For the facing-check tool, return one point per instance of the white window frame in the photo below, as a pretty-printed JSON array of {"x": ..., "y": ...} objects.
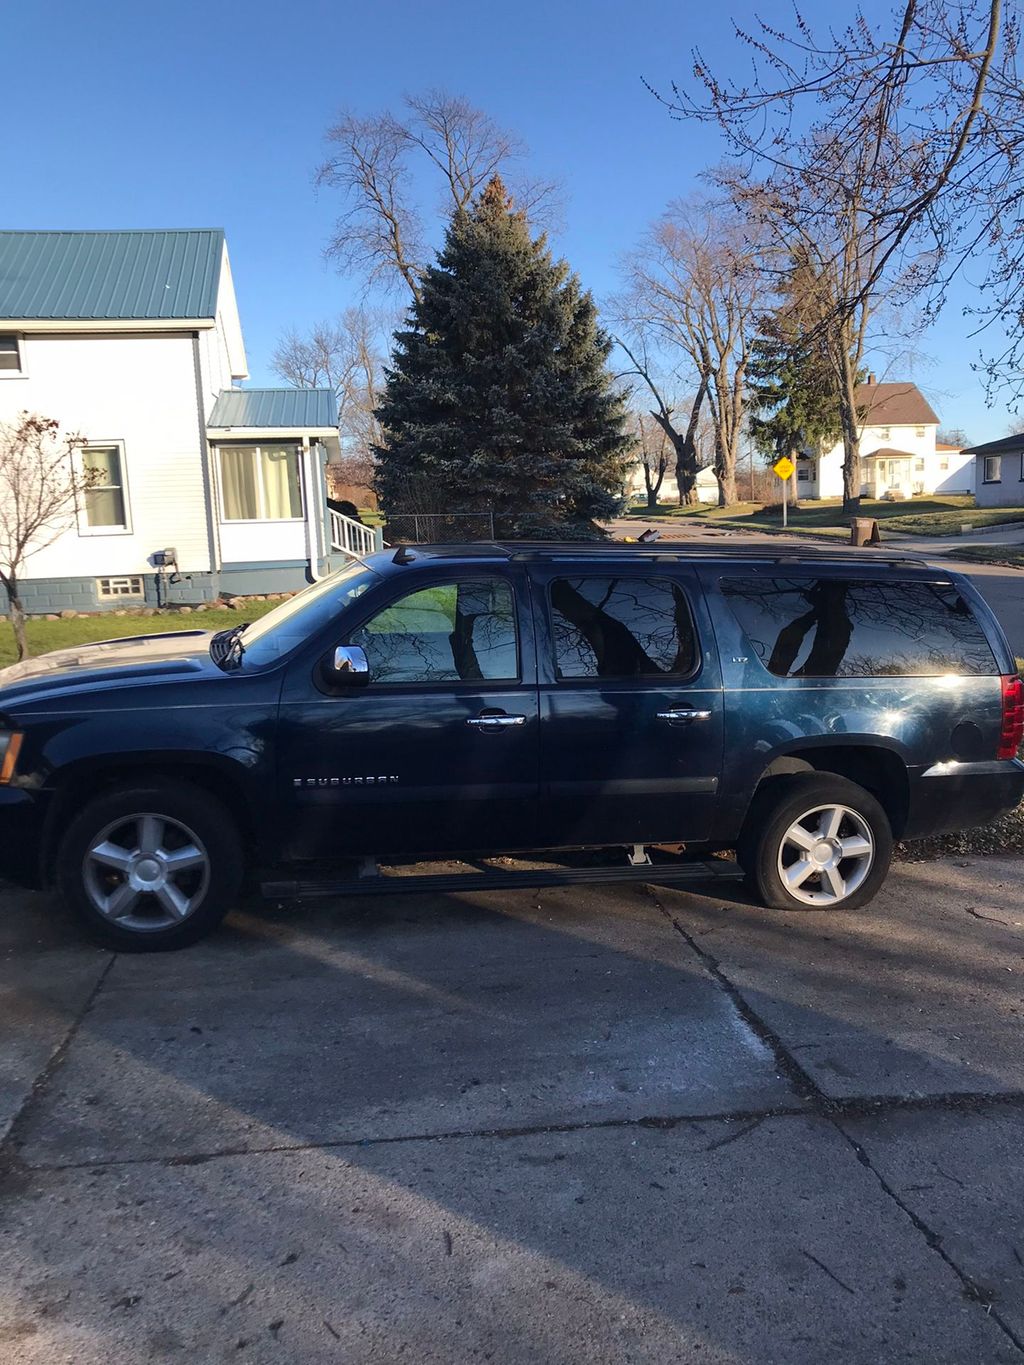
[
  {"x": 81, "y": 462},
  {"x": 22, "y": 371},
  {"x": 260, "y": 521},
  {"x": 113, "y": 596},
  {"x": 984, "y": 469}
]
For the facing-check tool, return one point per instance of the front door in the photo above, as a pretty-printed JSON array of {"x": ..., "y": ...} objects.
[
  {"x": 439, "y": 751},
  {"x": 631, "y": 707}
]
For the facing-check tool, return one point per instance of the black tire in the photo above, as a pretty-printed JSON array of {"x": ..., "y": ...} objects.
[
  {"x": 208, "y": 889},
  {"x": 774, "y": 813}
]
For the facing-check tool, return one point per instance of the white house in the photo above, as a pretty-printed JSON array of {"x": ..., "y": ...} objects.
[
  {"x": 133, "y": 341},
  {"x": 999, "y": 472},
  {"x": 707, "y": 486},
  {"x": 900, "y": 456}
]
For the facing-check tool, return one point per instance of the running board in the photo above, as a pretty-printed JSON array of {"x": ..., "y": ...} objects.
[{"x": 716, "y": 869}]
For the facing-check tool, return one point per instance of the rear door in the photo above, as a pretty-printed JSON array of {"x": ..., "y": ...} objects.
[
  {"x": 439, "y": 751},
  {"x": 631, "y": 708}
]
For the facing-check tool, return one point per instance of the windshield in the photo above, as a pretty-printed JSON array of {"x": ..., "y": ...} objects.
[{"x": 278, "y": 633}]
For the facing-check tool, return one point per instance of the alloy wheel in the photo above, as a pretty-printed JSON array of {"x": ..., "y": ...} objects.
[
  {"x": 146, "y": 872},
  {"x": 826, "y": 854}
]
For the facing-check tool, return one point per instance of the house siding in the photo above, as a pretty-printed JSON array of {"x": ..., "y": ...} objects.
[
  {"x": 139, "y": 390},
  {"x": 1009, "y": 491},
  {"x": 958, "y": 478}
]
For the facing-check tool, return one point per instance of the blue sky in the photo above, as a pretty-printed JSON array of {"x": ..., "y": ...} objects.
[{"x": 186, "y": 114}]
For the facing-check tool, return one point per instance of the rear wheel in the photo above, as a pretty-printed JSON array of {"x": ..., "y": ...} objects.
[
  {"x": 150, "y": 868},
  {"x": 816, "y": 842}
]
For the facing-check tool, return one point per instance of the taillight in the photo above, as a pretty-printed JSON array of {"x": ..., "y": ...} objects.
[{"x": 1012, "y": 731}]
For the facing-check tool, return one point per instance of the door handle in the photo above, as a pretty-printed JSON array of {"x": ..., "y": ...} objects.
[
  {"x": 499, "y": 721},
  {"x": 683, "y": 716}
]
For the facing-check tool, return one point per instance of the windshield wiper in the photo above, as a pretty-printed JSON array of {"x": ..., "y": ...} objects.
[{"x": 226, "y": 648}]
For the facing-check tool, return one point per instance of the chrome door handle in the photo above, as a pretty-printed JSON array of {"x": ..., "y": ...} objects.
[
  {"x": 496, "y": 722},
  {"x": 683, "y": 716}
]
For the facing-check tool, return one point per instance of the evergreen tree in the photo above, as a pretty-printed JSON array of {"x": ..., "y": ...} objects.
[
  {"x": 499, "y": 397},
  {"x": 793, "y": 395}
]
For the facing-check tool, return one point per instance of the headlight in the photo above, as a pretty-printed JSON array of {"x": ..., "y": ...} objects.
[{"x": 10, "y": 746}]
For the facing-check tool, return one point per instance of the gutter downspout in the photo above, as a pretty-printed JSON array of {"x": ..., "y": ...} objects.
[
  {"x": 204, "y": 451},
  {"x": 312, "y": 519}
]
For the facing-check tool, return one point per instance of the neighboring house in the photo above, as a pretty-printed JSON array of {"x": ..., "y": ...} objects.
[
  {"x": 707, "y": 486},
  {"x": 999, "y": 472},
  {"x": 900, "y": 457},
  {"x": 133, "y": 340}
]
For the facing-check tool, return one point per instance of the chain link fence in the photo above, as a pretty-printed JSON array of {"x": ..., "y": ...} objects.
[{"x": 439, "y": 528}]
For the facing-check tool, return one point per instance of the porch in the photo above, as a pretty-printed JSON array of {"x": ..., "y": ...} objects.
[
  {"x": 271, "y": 523},
  {"x": 890, "y": 474}
]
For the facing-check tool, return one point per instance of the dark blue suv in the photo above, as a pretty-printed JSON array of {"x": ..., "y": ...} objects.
[{"x": 802, "y": 708}]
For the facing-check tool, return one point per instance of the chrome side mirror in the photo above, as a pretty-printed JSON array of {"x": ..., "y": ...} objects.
[{"x": 349, "y": 666}]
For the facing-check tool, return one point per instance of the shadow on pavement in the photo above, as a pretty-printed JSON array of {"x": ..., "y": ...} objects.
[{"x": 525, "y": 1127}]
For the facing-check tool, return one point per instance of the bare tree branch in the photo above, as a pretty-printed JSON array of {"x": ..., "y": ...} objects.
[
  {"x": 39, "y": 489},
  {"x": 382, "y": 232}
]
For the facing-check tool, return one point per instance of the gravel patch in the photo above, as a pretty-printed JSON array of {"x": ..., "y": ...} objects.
[{"x": 1005, "y": 835}]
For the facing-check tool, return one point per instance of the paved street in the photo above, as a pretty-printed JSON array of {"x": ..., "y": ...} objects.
[{"x": 600, "y": 1125}]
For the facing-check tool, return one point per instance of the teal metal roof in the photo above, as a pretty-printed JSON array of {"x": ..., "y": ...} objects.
[
  {"x": 114, "y": 276},
  {"x": 274, "y": 409}
]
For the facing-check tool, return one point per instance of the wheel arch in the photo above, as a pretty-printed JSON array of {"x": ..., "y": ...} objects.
[
  {"x": 878, "y": 768},
  {"x": 79, "y": 782}
]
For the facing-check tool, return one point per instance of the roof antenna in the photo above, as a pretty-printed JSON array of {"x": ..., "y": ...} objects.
[
  {"x": 403, "y": 555},
  {"x": 649, "y": 536}
]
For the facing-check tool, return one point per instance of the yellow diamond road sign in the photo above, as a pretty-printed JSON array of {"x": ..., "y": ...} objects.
[{"x": 784, "y": 467}]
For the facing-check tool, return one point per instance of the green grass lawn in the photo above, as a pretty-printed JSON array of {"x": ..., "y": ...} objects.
[
  {"x": 932, "y": 516},
  {"x": 1009, "y": 555},
  {"x": 44, "y": 636}
]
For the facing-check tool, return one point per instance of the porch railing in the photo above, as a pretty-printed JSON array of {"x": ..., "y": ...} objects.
[{"x": 351, "y": 537}]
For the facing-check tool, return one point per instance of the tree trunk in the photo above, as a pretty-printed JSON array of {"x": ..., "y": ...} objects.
[
  {"x": 685, "y": 446},
  {"x": 725, "y": 468},
  {"x": 848, "y": 418},
  {"x": 726, "y": 485},
  {"x": 17, "y": 617},
  {"x": 653, "y": 486}
]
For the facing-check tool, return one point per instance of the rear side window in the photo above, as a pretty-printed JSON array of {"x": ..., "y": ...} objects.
[
  {"x": 835, "y": 628},
  {"x": 621, "y": 628}
]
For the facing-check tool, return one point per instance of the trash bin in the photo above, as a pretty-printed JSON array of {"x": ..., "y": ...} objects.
[{"x": 864, "y": 531}]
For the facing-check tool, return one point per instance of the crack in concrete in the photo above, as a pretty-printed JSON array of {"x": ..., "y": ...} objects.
[
  {"x": 7, "y": 1146},
  {"x": 834, "y": 1112},
  {"x": 860, "y": 1107},
  {"x": 813, "y": 1103}
]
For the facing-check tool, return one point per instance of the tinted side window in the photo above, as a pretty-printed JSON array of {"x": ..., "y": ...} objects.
[
  {"x": 835, "y": 628},
  {"x": 454, "y": 632},
  {"x": 621, "y": 628}
]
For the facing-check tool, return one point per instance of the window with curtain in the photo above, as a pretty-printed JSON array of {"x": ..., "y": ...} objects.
[
  {"x": 260, "y": 483},
  {"x": 103, "y": 495}
]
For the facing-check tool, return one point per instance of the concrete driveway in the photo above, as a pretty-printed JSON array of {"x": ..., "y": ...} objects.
[{"x": 594, "y": 1125}]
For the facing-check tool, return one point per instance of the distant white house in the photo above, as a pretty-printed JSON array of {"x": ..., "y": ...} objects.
[
  {"x": 707, "y": 486},
  {"x": 133, "y": 340},
  {"x": 999, "y": 472},
  {"x": 900, "y": 457}
]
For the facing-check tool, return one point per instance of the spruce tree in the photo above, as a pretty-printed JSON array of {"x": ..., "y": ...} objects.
[
  {"x": 498, "y": 398},
  {"x": 793, "y": 396}
]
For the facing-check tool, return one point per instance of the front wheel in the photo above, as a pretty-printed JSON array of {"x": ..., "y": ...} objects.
[
  {"x": 817, "y": 842},
  {"x": 150, "y": 868}
]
